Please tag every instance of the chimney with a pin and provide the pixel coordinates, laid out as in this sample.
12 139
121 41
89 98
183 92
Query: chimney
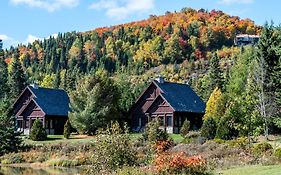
34 85
160 79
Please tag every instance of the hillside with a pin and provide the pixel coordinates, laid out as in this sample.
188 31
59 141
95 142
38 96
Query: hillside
173 37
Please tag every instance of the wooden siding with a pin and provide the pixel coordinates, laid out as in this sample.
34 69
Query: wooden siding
160 106
32 110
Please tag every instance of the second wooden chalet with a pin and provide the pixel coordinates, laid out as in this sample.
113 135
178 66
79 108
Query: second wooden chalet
171 102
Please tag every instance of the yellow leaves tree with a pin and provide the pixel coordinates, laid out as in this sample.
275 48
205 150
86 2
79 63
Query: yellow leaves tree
215 106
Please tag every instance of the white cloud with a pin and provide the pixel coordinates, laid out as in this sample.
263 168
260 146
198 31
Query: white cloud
230 2
4 37
55 35
30 39
49 5
120 9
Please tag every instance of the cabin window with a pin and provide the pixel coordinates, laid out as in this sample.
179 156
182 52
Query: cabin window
139 121
180 121
19 124
169 120
161 120
47 124
26 124
51 124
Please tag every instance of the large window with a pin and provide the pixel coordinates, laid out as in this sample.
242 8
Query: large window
161 120
169 120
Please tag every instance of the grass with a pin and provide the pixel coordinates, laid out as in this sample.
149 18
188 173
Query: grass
76 139
56 139
256 170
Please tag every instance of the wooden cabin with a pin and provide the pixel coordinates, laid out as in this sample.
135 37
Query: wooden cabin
51 106
173 103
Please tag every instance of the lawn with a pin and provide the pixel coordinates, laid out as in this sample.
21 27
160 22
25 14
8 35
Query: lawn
255 170
56 139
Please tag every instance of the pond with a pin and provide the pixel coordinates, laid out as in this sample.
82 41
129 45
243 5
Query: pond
7 170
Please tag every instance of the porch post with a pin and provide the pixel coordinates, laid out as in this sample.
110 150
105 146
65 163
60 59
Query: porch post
173 118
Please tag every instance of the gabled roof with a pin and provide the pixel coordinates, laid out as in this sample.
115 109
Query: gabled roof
181 97
51 101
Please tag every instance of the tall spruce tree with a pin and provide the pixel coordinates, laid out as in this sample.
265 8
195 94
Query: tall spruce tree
9 139
16 77
3 76
215 73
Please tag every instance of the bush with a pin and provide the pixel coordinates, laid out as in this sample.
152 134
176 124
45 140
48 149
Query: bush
262 148
209 128
113 150
224 130
153 134
191 137
185 128
179 163
277 153
67 130
38 132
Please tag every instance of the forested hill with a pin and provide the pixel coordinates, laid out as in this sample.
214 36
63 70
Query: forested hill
170 38
105 70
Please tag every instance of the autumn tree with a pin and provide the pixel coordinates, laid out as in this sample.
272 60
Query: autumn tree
215 106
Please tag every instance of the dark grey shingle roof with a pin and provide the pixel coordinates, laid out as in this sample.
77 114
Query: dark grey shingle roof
181 97
52 101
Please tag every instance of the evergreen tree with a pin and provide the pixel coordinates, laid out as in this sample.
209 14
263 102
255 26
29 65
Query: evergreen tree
185 128
215 73
67 130
209 128
9 138
38 132
16 77
3 76
94 103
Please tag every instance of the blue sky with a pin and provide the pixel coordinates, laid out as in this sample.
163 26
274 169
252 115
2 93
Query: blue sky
24 21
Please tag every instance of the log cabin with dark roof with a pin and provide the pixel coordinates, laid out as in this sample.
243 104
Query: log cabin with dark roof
51 106
171 102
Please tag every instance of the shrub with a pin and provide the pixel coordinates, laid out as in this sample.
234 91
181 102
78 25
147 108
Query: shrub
153 134
209 128
224 130
67 130
113 150
262 148
277 153
185 128
179 163
38 132
239 142
191 137
162 146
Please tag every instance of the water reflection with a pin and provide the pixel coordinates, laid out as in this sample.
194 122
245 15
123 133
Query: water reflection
39 171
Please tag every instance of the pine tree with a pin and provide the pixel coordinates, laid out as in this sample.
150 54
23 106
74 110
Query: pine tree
16 77
9 139
3 76
185 128
209 128
38 132
67 130
215 73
